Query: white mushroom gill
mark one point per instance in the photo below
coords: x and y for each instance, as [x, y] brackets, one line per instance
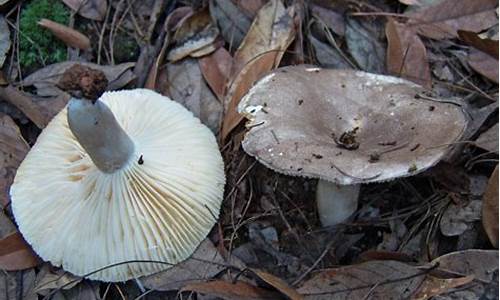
[158, 206]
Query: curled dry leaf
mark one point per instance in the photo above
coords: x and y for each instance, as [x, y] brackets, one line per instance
[90, 9]
[490, 208]
[46, 79]
[406, 54]
[369, 280]
[13, 149]
[196, 33]
[68, 35]
[231, 20]
[443, 19]
[231, 291]
[488, 140]
[271, 33]
[346, 126]
[215, 69]
[484, 64]
[486, 45]
[16, 253]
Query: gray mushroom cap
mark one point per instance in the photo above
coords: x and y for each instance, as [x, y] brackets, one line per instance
[346, 126]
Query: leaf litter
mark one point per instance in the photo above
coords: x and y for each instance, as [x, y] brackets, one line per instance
[425, 236]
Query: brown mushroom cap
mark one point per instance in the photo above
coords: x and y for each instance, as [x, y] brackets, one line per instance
[346, 126]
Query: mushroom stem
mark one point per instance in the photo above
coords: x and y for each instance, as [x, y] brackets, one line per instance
[97, 130]
[336, 202]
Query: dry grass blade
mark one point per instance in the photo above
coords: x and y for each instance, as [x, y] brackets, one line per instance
[69, 36]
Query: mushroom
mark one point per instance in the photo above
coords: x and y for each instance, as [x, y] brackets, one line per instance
[345, 127]
[129, 177]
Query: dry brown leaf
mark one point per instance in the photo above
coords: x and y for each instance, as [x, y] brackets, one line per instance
[480, 263]
[215, 69]
[486, 45]
[231, 20]
[271, 33]
[490, 209]
[369, 280]
[433, 286]
[48, 279]
[231, 291]
[406, 54]
[196, 32]
[13, 149]
[18, 285]
[16, 253]
[279, 284]
[488, 140]
[442, 20]
[90, 9]
[68, 35]
[484, 64]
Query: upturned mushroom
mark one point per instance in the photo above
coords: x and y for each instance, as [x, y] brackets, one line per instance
[346, 127]
[129, 176]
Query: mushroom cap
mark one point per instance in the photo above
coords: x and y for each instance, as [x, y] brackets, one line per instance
[160, 209]
[303, 120]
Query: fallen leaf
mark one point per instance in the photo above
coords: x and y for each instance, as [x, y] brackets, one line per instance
[457, 219]
[334, 20]
[46, 79]
[369, 280]
[406, 54]
[279, 284]
[68, 35]
[484, 64]
[48, 279]
[490, 208]
[5, 42]
[477, 117]
[486, 45]
[16, 253]
[362, 38]
[480, 263]
[13, 149]
[326, 55]
[215, 69]
[271, 33]
[185, 85]
[39, 113]
[195, 32]
[204, 264]
[231, 291]
[443, 19]
[90, 9]
[18, 285]
[433, 286]
[232, 22]
[488, 140]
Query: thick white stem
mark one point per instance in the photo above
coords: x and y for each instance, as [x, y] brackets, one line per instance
[97, 130]
[336, 202]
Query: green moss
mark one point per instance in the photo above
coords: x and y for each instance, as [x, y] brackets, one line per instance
[38, 46]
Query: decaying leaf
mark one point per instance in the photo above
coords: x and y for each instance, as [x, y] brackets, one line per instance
[369, 280]
[490, 208]
[443, 19]
[16, 253]
[484, 64]
[4, 40]
[231, 291]
[271, 33]
[195, 33]
[457, 219]
[486, 45]
[231, 20]
[334, 20]
[204, 264]
[406, 54]
[327, 56]
[68, 35]
[215, 69]
[18, 285]
[46, 79]
[480, 263]
[90, 9]
[48, 279]
[279, 284]
[433, 286]
[362, 39]
[346, 126]
[13, 149]
[185, 85]
[488, 140]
